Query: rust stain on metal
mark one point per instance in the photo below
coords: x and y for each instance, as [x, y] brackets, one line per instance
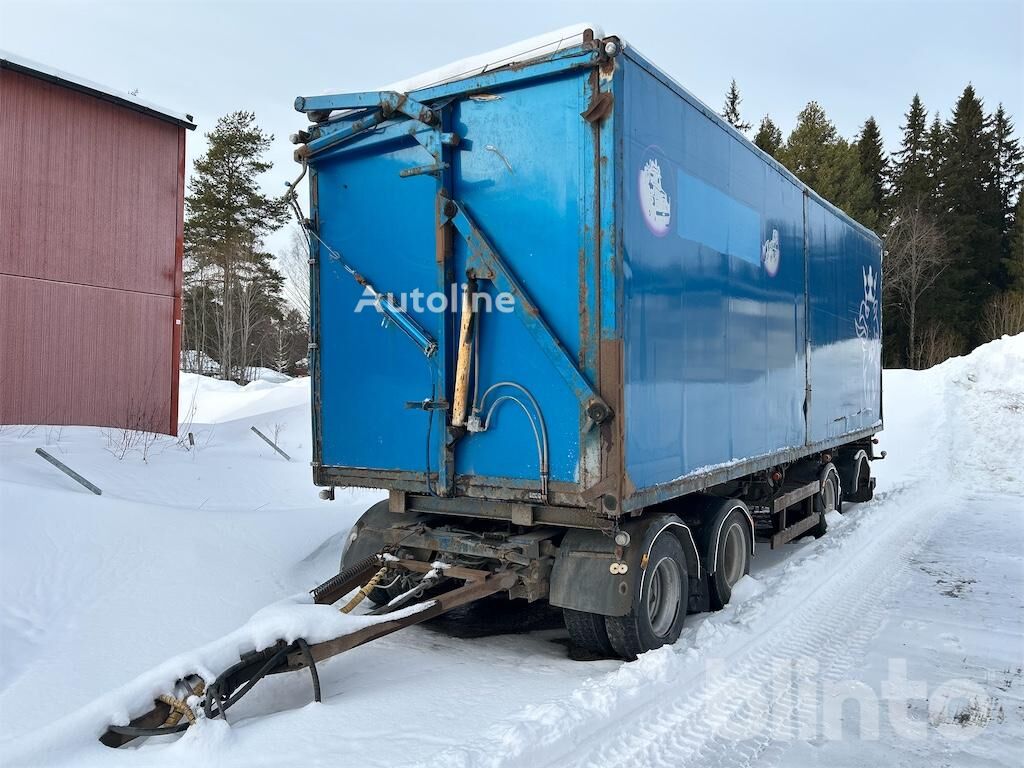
[600, 107]
[443, 240]
[612, 431]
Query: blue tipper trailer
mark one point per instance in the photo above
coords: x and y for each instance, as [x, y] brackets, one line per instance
[587, 335]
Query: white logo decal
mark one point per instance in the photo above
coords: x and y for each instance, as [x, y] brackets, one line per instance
[869, 327]
[770, 254]
[654, 201]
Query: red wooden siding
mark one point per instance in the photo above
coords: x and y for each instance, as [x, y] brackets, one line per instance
[90, 259]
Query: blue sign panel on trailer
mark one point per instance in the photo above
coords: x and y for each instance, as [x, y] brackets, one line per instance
[717, 220]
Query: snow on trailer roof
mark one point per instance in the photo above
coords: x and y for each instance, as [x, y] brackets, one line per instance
[471, 66]
[35, 69]
[567, 37]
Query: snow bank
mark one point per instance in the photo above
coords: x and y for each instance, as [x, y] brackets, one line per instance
[962, 420]
[188, 539]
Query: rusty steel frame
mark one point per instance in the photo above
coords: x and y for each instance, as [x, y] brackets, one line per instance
[473, 590]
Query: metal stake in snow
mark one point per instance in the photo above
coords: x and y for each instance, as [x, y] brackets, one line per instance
[271, 443]
[69, 471]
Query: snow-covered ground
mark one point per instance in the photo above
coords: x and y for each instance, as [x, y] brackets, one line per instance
[897, 639]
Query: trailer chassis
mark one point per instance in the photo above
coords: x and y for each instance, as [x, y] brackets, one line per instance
[455, 552]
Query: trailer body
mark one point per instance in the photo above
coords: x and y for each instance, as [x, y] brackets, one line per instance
[681, 354]
[725, 317]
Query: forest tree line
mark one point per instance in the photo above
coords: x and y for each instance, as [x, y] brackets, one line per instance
[947, 205]
[242, 309]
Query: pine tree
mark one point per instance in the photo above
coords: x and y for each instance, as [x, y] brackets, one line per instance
[874, 167]
[971, 213]
[935, 156]
[807, 152]
[910, 182]
[1009, 162]
[731, 110]
[1015, 261]
[768, 137]
[228, 216]
[828, 163]
[846, 186]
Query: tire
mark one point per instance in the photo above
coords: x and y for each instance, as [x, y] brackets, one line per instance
[856, 479]
[659, 603]
[587, 632]
[732, 558]
[829, 499]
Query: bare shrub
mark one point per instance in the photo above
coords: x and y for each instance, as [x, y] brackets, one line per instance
[137, 433]
[937, 344]
[1003, 315]
[294, 265]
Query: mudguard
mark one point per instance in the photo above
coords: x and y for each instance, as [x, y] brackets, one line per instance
[713, 516]
[582, 577]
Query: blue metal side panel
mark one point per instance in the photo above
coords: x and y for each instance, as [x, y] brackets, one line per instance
[384, 225]
[713, 291]
[526, 177]
[844, 280]
[524, 171]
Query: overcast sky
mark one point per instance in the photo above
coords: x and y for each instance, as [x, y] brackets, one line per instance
[855, 57]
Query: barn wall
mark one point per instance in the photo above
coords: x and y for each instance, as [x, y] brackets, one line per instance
[90, 259]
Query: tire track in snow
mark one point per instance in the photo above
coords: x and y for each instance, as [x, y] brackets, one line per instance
[666, 709]
[707, 726]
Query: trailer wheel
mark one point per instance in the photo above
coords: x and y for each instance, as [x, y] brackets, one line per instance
[587, 631]
[829, 499]
[732, 558]
[659, 604]
[856, 478]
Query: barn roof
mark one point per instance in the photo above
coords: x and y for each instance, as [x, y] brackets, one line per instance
[35, 69]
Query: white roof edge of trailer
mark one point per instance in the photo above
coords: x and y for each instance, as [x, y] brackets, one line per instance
[470, 66]
[20, 63]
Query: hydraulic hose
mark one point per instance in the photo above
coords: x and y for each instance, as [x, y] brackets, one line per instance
[540, 434]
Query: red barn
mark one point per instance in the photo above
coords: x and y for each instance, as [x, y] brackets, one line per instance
[92, 186]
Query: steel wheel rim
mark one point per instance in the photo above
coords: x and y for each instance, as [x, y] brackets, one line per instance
[663, 595]
[734, 555]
